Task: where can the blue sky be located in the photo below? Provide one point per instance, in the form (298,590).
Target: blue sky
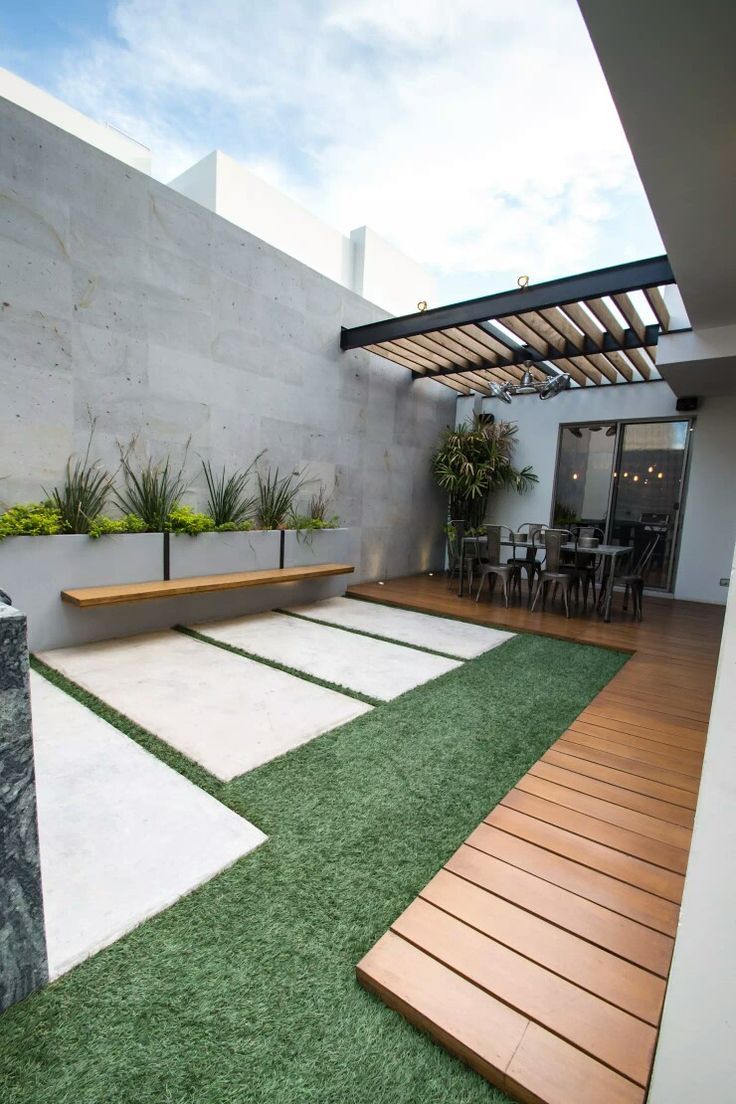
(479,136)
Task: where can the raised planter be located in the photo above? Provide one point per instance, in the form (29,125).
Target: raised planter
(34,570)
(313,546)
(217,553)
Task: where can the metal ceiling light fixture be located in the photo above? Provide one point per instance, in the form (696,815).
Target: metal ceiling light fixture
(546,388)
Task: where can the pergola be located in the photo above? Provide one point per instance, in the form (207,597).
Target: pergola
(589,326)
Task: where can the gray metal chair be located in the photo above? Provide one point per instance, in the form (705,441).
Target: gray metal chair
(491,568)
(553,572)
(527,561)
(634,582)
(587,562)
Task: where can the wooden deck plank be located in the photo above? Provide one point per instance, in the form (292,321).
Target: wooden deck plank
(588,853)
(562,905)
(593,922)
(606,1033)
(598,971)
(689,759)
(486,1033)
(636,754)
(601,831)
(646,908)
(609,804)
(547,1070)
(666,740)
(614,794)
(623,780)
(577,750)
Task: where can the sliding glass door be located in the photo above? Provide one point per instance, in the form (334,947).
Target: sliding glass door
(584,470)
(627,479)
(648,493)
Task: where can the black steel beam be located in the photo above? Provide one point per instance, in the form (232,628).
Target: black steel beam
(653,272)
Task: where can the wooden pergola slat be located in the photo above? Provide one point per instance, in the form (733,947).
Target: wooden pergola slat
(587,326)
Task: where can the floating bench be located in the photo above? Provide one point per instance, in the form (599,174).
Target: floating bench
(86,597)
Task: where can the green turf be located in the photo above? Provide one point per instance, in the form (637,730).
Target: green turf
(245,991)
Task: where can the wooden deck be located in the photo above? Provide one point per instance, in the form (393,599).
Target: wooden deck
(540,952)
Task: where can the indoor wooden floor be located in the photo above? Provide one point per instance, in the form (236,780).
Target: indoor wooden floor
(540,952)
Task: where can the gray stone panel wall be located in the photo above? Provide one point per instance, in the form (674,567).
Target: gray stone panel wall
(23,965)
(121,299)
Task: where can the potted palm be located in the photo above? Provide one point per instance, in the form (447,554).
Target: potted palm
(472,461)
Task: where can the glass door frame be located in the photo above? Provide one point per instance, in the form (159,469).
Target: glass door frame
(620,424)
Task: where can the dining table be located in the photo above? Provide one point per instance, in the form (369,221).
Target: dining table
(608,552)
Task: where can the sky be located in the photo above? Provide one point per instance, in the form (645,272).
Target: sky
(478,136)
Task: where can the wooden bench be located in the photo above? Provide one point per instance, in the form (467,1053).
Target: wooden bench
(114,595)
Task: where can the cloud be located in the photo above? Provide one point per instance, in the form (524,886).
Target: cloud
(478,136)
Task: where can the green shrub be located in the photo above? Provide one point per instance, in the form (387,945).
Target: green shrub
(83,494)
(152,492)
(105,526)
(183,519)
(304,521)
(228,501)
(234,527)
(31,519)
(276,497)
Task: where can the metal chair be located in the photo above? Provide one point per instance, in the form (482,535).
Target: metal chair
(587,563)
(528,561)
(634,582)
(491,568)
(553,571)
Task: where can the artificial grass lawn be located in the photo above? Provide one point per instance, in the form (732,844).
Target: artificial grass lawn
(245,991)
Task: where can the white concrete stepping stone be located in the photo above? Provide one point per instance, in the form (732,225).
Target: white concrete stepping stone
(122,836)
(228,713)
(371,667)
(423,630)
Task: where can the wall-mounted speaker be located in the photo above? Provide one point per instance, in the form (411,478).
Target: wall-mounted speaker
(686,404)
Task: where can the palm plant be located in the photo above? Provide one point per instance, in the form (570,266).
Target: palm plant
(276,496)
(151,492)
(228,502)
(474,460)
(83,494)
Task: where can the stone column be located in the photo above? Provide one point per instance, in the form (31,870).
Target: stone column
(23,963)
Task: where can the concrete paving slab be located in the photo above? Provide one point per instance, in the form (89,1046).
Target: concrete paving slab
(423,630)
(228,713)
(122,836)
(371,667)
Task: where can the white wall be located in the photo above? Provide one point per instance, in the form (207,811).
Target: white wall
(364,262)
(709,522)
(695,1053)
(104,137)
(199,182)
(385,275)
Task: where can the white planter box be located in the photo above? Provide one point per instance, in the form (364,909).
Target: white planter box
(217,553)
(34,570)
(316,546)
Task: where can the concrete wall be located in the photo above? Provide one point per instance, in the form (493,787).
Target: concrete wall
(101,135)
(709,521)
(124,300)
(694,1059)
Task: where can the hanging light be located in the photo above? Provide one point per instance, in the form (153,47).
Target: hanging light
(528,385)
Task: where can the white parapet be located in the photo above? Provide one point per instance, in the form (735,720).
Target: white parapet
(105,137)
